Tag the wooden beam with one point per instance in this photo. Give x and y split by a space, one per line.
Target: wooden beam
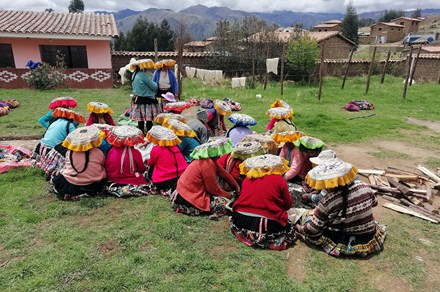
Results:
321 68
429 173
370 70
408 74
371 171
382 78
348 66
408 211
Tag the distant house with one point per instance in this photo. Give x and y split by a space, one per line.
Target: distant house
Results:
331 25
387 32
410 24
198 46
335 45
83 39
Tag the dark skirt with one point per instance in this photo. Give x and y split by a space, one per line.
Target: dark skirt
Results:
217 206
63 187
261 232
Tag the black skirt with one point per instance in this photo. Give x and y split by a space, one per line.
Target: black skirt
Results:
63 187
253 223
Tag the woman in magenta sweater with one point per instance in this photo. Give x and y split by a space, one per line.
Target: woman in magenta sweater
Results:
166 160
124 165
198 191
259 217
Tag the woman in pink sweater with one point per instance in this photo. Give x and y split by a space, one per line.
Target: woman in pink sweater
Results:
198 190
84 171
166 160
124 165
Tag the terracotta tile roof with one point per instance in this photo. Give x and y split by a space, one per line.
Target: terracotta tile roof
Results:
197 44
407 18
326 25
159 54
42 22
320 36
388 24
429 56
333 21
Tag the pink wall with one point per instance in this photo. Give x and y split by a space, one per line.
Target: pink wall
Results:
98 52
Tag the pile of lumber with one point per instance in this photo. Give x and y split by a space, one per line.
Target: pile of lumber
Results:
409 192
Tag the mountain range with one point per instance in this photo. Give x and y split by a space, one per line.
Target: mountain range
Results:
200 21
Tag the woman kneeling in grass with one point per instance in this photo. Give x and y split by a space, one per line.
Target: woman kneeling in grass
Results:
260 216
343 222
198 190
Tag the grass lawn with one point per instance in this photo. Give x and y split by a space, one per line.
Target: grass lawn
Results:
140 244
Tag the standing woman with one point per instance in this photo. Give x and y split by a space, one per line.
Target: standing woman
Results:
165 78
284 119
144 105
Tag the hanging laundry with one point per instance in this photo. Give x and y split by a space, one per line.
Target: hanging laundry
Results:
272 65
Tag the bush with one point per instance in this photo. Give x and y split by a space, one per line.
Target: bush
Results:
45 77
301 58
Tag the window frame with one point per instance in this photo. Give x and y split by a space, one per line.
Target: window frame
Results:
75 57
6 56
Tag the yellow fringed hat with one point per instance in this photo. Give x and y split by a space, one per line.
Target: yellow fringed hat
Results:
160 118
263 165
179 128
164 63
142 64
289 136
331 174
69 115
162 136
280 113
280 103
222 107
84 138
99 108
266 141
245 150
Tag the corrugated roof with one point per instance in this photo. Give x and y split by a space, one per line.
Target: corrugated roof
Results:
42 22
159 54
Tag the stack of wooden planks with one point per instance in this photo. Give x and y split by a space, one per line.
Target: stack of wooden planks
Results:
409 192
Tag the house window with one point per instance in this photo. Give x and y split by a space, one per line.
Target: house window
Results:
74 56
380 28
402 23
6 56
392 29
398 29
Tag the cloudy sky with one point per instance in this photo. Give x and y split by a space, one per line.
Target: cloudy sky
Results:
251 6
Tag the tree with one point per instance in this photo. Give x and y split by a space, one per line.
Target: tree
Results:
391 14
301 57
166 37
76 6
417 13
350 23
119 44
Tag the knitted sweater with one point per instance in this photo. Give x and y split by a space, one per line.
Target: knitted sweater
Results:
143 85
199 182
237 133
283 126
174 85
168 163
201 130
267 196
232 166
127 176
57 132
299 162
187 146
94 172
359 218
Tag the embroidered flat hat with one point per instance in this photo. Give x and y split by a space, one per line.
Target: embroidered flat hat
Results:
212 149
179 128
263 165
288 136
280 103
106 128
323 157
222 107
83 139
309 142
169 96
178 106
160 118
162 136
266 141
129 136
280 113
65 113
142 64
164 63
245 150
331 174
99 108
242 120
63 101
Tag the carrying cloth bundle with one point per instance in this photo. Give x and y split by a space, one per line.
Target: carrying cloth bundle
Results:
357 105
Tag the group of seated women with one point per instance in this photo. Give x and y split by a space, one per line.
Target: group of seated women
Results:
217 177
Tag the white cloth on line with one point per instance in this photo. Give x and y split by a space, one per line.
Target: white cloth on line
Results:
218 75
122 72
188 72
235 82
243 82
272 65
192 71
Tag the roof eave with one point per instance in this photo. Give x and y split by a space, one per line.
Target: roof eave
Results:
55 36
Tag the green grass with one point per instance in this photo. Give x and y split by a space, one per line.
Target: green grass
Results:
140 244
389 154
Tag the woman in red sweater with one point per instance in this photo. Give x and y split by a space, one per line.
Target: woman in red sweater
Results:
242 150
124 165
198 191
166 160
259 217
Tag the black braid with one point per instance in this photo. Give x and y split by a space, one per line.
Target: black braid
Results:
85 165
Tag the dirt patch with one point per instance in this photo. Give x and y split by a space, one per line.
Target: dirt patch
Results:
109 248
26 143
296 259
381 279
434 126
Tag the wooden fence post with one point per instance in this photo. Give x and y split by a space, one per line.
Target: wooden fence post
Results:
415 66
155 50
321 68
282 71
382 78
370 70
266 76
408 74
348 66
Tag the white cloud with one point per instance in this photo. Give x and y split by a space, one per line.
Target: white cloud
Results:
253 6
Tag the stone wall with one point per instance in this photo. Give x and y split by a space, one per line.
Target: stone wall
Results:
428 68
